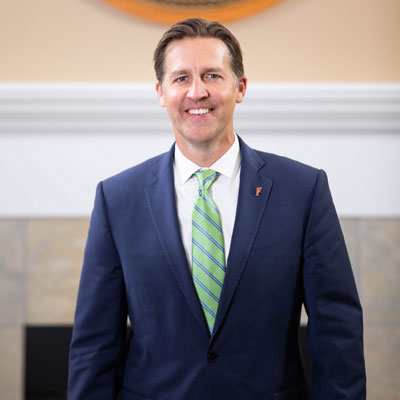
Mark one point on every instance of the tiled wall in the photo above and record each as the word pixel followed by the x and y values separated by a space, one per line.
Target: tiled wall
pixel 40 262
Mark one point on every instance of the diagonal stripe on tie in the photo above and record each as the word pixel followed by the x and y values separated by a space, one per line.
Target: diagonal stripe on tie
pixel 208 218
pixel 208 236
pixel 206 271
pixel 204 287
pixel 208 254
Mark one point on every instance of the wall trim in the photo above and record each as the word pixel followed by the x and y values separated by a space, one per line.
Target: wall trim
pixel 57 140
pixel 133 108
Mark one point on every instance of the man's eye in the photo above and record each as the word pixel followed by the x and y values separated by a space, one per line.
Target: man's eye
pixel 181 79
pixel 213 76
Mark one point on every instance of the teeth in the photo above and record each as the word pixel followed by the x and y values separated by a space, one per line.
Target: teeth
pixel 198 111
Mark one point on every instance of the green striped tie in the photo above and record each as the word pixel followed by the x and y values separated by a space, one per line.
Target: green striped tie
pixel 208 255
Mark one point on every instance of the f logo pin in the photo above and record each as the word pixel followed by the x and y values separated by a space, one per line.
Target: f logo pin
pixel 258 191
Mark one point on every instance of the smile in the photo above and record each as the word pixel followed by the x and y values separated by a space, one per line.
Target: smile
pixel 199 111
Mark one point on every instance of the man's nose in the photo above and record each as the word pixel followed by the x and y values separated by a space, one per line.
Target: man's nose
pixel 197 90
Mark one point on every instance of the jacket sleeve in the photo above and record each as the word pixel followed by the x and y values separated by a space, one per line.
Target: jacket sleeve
pixel 335 326
pixel 99 333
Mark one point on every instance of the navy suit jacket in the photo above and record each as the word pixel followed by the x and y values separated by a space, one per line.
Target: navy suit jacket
pixel 287 249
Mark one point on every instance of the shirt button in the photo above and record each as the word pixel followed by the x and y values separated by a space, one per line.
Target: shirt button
pixel 212 357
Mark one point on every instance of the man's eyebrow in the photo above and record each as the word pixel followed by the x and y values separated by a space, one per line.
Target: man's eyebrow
pixel 179 72
pixel 185 72
pixel 213 69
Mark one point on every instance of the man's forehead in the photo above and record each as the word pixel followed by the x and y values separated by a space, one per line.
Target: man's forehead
pixel 188 43
pixel 180 53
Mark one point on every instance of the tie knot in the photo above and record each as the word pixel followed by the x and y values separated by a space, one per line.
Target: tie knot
pixel 205 177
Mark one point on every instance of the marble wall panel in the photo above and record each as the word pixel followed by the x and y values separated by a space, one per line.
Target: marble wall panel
pixel 11 365
pixel 382 358
pixel 56 249
pixel 12 271
pixel 376 391
pixel 41 260
pixel 380 270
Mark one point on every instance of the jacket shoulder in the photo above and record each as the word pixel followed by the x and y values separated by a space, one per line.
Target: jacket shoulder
pixel 277 166
pixel 133 177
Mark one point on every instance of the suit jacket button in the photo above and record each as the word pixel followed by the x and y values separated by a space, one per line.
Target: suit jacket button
pixel 212 357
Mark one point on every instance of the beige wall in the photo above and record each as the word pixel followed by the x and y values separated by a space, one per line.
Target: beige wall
pixel 296 40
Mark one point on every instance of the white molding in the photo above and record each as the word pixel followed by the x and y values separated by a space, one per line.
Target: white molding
pixel 57 140
pixel 133 108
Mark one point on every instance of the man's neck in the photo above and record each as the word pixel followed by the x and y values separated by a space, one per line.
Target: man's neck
pixel 205 154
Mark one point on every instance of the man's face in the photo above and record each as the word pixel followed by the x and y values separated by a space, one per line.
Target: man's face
pixel 200 91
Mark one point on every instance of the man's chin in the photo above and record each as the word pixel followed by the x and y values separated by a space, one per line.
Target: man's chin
pixel 198 137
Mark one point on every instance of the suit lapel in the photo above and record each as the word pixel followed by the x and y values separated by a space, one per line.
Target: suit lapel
pixel 254 192
pixel 160 195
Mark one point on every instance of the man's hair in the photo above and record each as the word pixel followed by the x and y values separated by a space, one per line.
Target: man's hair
pixel 195 28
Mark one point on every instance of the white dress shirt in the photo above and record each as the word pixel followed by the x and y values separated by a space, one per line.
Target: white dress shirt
pixel 224 191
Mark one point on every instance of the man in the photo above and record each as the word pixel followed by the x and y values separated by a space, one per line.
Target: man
pixel 211 249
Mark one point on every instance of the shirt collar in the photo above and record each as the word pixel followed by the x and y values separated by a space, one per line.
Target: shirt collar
pixel 227 165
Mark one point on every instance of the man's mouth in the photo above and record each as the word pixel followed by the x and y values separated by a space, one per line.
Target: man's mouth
pixel 199 111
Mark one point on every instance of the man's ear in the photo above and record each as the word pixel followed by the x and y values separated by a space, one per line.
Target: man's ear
pixel 160 94
pixel 242 86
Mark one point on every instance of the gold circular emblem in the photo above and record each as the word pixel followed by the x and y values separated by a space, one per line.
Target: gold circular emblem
pixel 171 11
